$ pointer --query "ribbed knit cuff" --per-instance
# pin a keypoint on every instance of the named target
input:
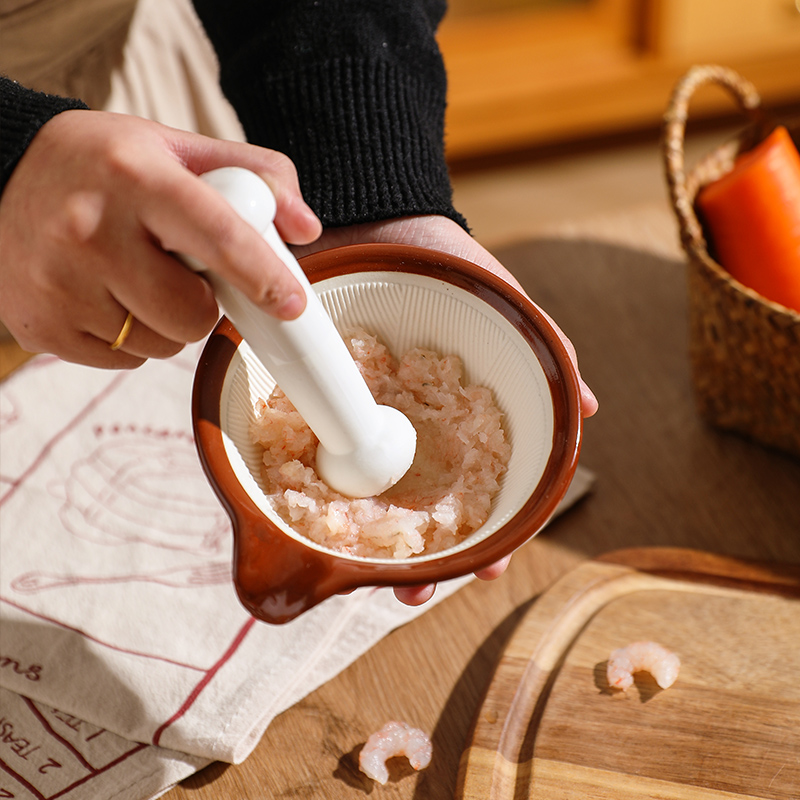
(22, 113)
(374, 147)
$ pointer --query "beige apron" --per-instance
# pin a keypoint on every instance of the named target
(150, 58)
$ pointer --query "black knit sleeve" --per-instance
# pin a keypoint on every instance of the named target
(22, 113)
(353, 91)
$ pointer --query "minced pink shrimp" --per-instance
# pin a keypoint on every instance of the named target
(642, 656)
(394, 739)
(462, 455)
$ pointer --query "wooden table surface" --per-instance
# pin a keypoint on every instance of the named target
(663, 478)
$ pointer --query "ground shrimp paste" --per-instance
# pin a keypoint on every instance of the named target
(447, 493)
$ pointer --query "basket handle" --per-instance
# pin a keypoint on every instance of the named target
(674, 133)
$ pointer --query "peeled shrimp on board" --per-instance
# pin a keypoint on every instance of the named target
(394, 739)
(642, 656)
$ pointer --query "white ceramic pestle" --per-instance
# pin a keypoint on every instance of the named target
(364, 447)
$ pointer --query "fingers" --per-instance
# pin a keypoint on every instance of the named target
(136, 339)
(494, 570)
(417, 595)
(167, 300)
(188, 217)
(589, 403)
(151, 171)
(140, 344)
(414, 595)
(87, 216)
(82, 306)
(136, 342)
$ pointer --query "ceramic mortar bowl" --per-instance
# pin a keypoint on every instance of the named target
(408, 297)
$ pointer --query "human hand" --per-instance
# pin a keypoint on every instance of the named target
(439, 233)
(90, 216)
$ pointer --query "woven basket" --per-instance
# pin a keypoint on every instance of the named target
(744, 349)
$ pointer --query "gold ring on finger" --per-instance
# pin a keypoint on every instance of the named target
(123, 334)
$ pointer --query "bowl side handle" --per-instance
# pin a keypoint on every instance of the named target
(276, 577)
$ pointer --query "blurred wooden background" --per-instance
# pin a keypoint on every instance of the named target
(526, 73)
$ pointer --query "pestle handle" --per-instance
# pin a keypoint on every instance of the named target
(364, 447)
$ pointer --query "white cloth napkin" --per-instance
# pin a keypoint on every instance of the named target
(126, 661)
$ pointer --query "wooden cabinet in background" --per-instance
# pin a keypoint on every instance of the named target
(525, 73)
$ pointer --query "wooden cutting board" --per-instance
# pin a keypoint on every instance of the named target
(729, 728)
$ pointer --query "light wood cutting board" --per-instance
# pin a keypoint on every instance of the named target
(729, 728)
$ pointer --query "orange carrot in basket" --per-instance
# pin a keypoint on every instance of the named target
(753, 215)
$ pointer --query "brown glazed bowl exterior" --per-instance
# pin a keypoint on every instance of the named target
(277, 576)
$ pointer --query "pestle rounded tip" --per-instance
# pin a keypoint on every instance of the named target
(377, 464)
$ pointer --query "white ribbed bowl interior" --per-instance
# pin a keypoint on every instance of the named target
(406, 311)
